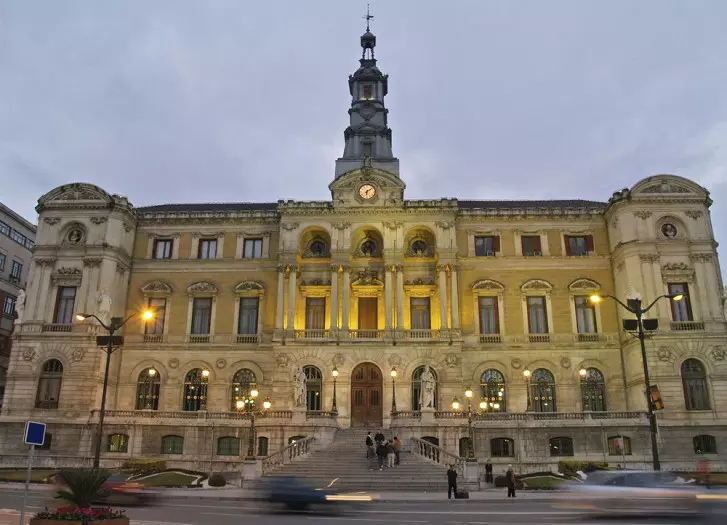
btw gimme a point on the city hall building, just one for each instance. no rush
(487, 295)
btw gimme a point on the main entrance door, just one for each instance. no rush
(366, 396)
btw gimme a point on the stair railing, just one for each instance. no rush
(300, 448)
(436, 454)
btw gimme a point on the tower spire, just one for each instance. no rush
(368, 17)
(368, 40)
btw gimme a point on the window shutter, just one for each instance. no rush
(567, 245)
(589, 243)
(496, 243)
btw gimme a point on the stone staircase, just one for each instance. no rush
(344, 466)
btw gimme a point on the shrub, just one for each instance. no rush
(144, 467)
(571, 468)
(83, 485)
(217, 480)
(81, 515)
(500, 482)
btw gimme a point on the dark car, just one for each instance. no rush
(118, 490)
(291, 493)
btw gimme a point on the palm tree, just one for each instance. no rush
(83, 485)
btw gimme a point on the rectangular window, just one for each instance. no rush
(247, 319)
(585, 315)
(681, 311)
(156, 324)
(253, 249)
(489, 318)
(531, 245)
(4, 228)
(368, 92)
(2, 262)
(9, 305)
(487, 246)
(578, 244)
(421, 318)
(18, 237)
(537, 315)
(65, 301)
(29, 244)
(15, 271)
(315, 313)
(163, 248)
(201, 315)
(207, 249)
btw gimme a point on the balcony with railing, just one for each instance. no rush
(188, 416)
(527, 419)
(41, 327)
(686, 326)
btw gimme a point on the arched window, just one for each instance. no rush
(147, 390)
(228, 446)
(492, 388)
(705, 444)
(172, 445)
(561, 446)
(49, 385)
(313, 384)
(195, 390)
(117, 443)
(416, 387)
(502, 448)
(694, 384)
(619, 446)
(243, 382)
(593, 391)
(542, 386)
(262, 446)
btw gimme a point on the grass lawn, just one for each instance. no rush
(19, 475)
(542, 483)
(168, 479)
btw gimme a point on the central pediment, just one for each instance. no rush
(367, 186)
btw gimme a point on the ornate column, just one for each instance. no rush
(291, 296)
(280, 299)
(334, 297)
(387, 295)
(442, 268)
(346, 298)
(455, 297)
(399, 296)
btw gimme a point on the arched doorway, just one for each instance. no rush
(366, 396)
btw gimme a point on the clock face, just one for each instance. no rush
(367, 191)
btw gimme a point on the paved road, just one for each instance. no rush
(196, 511)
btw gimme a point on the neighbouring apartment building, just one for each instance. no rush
(481, 294)
(17, 239)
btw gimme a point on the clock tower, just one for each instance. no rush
(368, 136)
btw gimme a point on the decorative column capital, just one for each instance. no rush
(442, 267)
(643, 215)
(650, 258)
(399, 268)
(282, 268)
(337, 268)
(92, 261)
(341, 225)
(46, 261)
(701, 257)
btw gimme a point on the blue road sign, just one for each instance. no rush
(34, 433)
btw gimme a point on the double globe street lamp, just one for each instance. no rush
(483, 406)
(247, 406)
(107, 343)
(639, 325)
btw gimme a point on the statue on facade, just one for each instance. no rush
(426, 396)
(299, 380)
(20, 307)
(103, 299)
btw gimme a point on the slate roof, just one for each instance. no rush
(272, 206)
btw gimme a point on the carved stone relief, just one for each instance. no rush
(649, 257)
(202, 287)
(52, 220)
(516, 364)
(643, 215)
(395, 360)
(693, 214)
(452, 360)
(676, 267)
(289, 226)
(664, 354)
(565, 362)
(701, 257)
(719, 353)
(221, 363)
(78, 354)
(282, 360)
(28, 354)
(338, 360)
(99, 220)
(665, 187)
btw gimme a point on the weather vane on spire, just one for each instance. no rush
(368, 16)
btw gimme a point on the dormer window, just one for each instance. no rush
(367, 92)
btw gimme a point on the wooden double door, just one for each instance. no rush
(367, 391)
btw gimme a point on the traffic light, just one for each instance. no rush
(655, 398)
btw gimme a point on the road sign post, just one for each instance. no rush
(33, 436)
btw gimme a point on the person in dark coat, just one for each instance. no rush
(488, 472)
(379, 438)
(451, 482)
(369, 445)
(381, 453)
(510, 481)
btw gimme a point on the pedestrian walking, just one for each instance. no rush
(510, 481)
(488, 472)
(369, 446)
(451, 482)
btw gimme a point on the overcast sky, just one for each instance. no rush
(231, 100)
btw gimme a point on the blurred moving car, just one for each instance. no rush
(291, 493)
(648, 493)
(118, 490)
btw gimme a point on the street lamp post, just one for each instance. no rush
(634, 306)
(393, 391)
(334, 408)
(526, 375)
(248, 406)
(483, 406)
(114, 325)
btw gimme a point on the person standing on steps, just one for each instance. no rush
(488, 472)
(510, 481)
(381, 453)
(397, 451)
(451, 482)
(390, 454)
(369, 446)
(379, 438)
